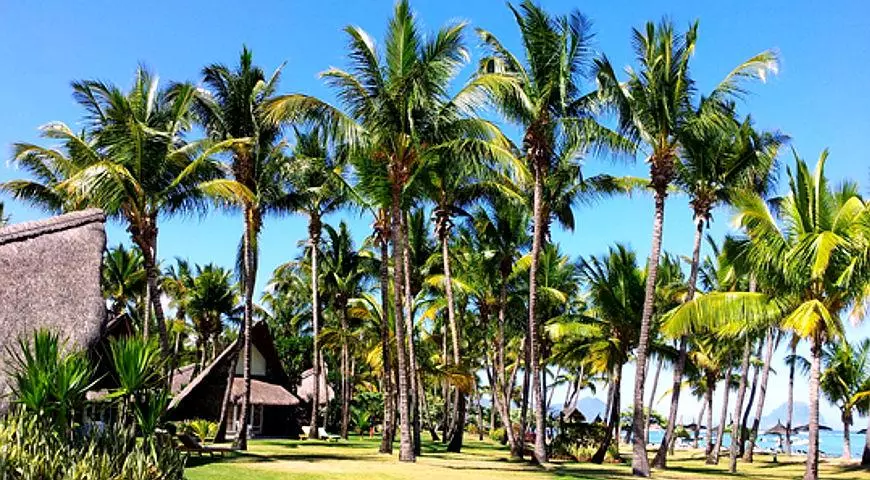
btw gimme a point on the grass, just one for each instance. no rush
(358, 459)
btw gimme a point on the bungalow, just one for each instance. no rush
(275, 410)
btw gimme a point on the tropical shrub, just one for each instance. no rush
(498, 435)
(29, 451)
(204, 429)
(575, 439)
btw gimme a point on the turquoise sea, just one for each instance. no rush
(830, 442)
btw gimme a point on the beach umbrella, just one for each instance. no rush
(778, 429)
(806, 428)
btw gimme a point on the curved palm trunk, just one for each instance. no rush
(652, 396)
(738, 406)
(661, 458)
(389, 410)
(765, 374)
(412, 354)
(445, 384)
(847, 442)
(640, 461)
(524, 408)
(314, 242)
(613, 422)
(534, 330)
(501, 394)
(424, 407)
(723, 418)
(221, 434)
(812, 471)
(744, 432)
(147, 242)
(250, 277)
(406, 444)
(790, 414)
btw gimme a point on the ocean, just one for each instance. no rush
(830, 442)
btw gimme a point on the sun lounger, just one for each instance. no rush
(321, 434)
(191, 444)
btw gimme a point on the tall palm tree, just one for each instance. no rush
(344, 277)
(502, 233)
(231, 110)
(812, 252)
(397, 108)
(616, 288)
(543, 94)
(717, 160)
(132, 161)
(655, 106)
(316, 191)
(212, 299)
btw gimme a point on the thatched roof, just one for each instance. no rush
(778, 429)
(263, 393)
(305, 389)
(51, 279)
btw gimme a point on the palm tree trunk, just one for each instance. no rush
(790, 414)
(697, 433)
(847, 441)
(743, 433)
(708, 397)
(480, 428)
(445, 384)
(661, 457)
(865, 457)
(613, 422)
(389, 410)
(345, 376)
(652, 396)
(640, 461)
(458, 421)
(765, 374)
(221, 434)
(524, 408)
(412, 354)
(723, 418)
(609, 403)
(424, 406)
(812, 471)
(533, 330)
(501, 392)
(738, 406)
(314, 243)
(250, 277)
(406, 444)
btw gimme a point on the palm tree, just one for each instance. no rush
(814, 258)
(846, 373)
(132, 161)
(212, 298)
(655, 107)
(502, 232)
(316, 191)
(608, 334)
(544, 96)
(398, 109)
(123, 279)
(231, 110)
(717, 160)
(344, 275)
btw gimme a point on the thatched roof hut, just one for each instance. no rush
(778, 429)
(51, 279)
(305, 389)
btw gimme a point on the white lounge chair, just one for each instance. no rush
(321, 434)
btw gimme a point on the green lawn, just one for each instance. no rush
(358, 460)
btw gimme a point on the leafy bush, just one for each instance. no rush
(498, 435)
(576, 439)
(28, 451)
(204, 429)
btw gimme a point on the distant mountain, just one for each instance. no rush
(801, 416)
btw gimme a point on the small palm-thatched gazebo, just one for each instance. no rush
(778, 429)
(51, 280)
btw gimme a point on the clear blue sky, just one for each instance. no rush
(816, 98)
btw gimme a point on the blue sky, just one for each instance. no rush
(815, 98)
